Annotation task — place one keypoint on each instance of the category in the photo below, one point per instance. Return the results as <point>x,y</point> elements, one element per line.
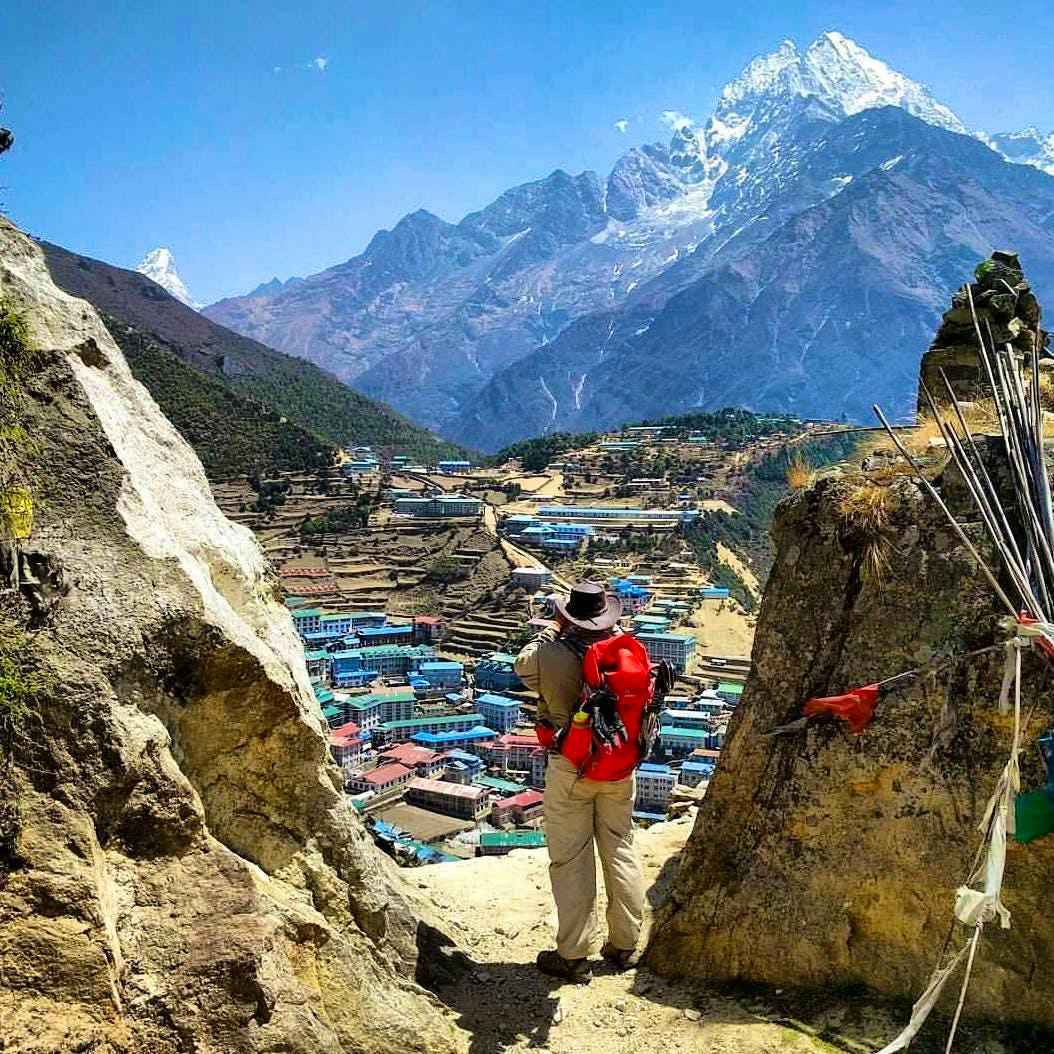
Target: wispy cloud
<point>676,120</point>
<point>622,124</point>
<point>316,65</point>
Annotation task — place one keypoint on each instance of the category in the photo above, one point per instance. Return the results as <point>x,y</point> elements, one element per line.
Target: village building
<point>499,711</point>
<point>512,752</point>
<point>463,767</point>
<point>531,578</point>
<point>694,772</point>
<point>655,783</point>
<point>453,799</point>
<point>440,673</point>
<point>423,761</point>
<point>380,780</point>
<point>498,843</point>
<point>676,648</point>
<point>679,740</point>
<point>438,506</point>
<point>730,691</point>
<point>494,672</point>
<point>372,709</point>
<point>346,744</point>
<point>387,660</point>
<point>517,810</point>
<point>479,737</point>
<point>406,728</point>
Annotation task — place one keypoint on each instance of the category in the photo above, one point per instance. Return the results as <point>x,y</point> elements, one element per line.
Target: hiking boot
<point>620,958</point>
<point>577,971</point>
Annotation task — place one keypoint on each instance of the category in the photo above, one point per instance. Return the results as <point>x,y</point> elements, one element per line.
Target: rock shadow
<point>497,1004</point>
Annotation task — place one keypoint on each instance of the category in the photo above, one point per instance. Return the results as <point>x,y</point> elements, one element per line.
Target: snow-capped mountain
<point>159,266</point>
<point>437,318</point>
<point>1027,147</point>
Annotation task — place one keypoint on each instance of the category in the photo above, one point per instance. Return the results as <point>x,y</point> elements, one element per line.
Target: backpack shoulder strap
<point>579,647</point>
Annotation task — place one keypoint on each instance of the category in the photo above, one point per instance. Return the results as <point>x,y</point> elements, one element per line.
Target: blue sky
<point>141,124</point>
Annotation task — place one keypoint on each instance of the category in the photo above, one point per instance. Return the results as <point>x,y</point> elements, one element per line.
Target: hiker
<point>586,800</point>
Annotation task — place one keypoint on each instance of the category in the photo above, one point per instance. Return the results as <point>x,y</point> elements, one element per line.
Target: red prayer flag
<point>855,708</point>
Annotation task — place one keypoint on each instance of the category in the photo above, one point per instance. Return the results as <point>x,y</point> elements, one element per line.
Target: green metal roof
<point>442,722</point>
<point>364,702</point>
<point>499,784</point>
<point>728,686</point>
<point>379,651</point>
<point>303,612</point>
<point>498,656</point>
<point>513,839</point>
<point>687,733</point>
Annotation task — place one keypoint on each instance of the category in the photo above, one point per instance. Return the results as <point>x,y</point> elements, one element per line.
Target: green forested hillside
<point>233,435</point>
<point>325,411</point>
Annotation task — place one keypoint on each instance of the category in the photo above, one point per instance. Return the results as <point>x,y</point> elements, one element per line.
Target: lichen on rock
<point>184,873</point>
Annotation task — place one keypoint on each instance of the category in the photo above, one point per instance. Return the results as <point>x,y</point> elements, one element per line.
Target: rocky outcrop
<point>1004,305</point>
<point>820,860</point>
<point>178,868</point>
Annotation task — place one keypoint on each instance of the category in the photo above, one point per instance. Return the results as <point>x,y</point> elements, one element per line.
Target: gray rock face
<point>179,869</point>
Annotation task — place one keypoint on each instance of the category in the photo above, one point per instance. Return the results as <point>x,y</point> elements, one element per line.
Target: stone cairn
<point>1005,302</point>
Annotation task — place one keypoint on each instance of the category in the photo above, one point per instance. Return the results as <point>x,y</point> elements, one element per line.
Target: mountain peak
<point>160,266</point>
<point>839,72</point>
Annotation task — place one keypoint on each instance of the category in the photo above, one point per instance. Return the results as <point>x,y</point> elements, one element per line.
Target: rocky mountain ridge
<point>431,311</point>
<point>821,313</point>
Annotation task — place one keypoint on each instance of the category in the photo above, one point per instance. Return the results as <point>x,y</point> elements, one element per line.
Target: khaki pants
<point>579,812</point>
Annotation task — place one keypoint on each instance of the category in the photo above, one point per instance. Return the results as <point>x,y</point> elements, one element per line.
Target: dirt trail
<point>500,912</point>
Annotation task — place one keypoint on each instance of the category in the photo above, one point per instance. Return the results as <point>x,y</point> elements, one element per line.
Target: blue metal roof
<point>496,700</point>
<point>438,738</point>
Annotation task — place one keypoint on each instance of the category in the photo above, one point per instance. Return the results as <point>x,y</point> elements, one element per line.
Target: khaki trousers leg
<point>623,879</point>
<point>578,814</point>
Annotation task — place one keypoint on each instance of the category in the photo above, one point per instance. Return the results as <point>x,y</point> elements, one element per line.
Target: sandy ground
<point>497,915</point>
<point>726,556</point>
<point>722,629</point>
<point>500,912</point>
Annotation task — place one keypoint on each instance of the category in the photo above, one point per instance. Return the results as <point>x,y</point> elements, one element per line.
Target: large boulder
<point>823,860</point>
<point>179,869</point>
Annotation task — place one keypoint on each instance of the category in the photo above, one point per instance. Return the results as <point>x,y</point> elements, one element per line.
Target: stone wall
<point>178,867</point>
<point>1004,302</point>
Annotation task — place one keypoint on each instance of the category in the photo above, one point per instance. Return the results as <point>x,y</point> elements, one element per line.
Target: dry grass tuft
<point>799,472</point>
<point>866,511</point>
<point>925,438</point>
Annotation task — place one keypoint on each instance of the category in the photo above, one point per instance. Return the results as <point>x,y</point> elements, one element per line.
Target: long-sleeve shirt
<point>553,670</point>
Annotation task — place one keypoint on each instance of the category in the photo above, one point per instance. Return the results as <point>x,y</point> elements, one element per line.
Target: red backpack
<point>604,739</point>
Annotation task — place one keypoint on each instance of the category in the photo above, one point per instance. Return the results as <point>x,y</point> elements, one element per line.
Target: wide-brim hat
<point>590,607</point>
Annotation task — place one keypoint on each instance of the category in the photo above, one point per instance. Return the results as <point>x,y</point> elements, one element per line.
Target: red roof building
<point>381,779</point>
<point>345,744</point>
<point>454,799</point>
<point>512,752</point>
<point>424,761</point>
<point>518,809</point>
